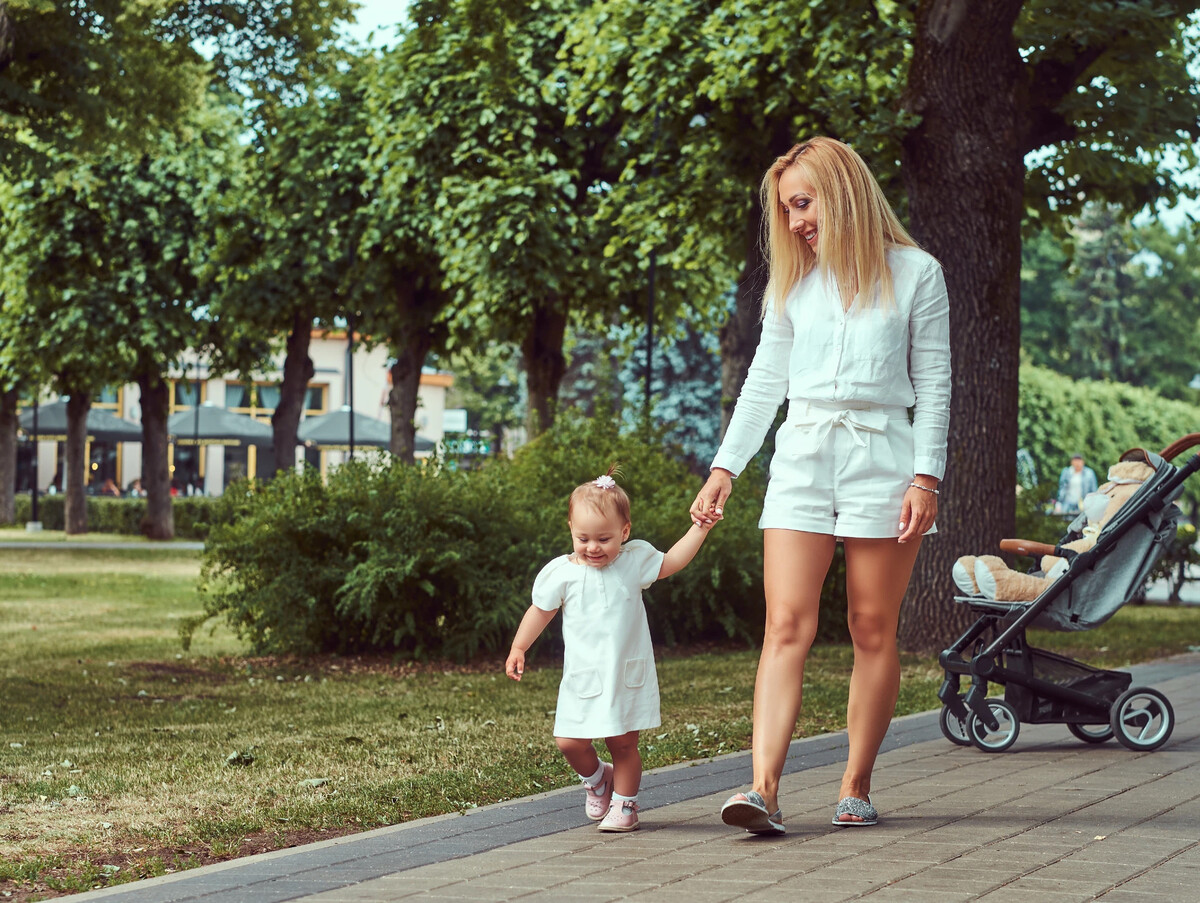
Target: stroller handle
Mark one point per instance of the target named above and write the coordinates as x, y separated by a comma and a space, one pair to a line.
1181, 444
1026, 547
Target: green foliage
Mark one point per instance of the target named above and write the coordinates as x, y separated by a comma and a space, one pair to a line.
193, 516
87, 75
1115, 301
1181, 556
422, 561
1059, 416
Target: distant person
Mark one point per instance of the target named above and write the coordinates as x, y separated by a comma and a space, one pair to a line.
135, 489
609, 687
110, 488
1074, 483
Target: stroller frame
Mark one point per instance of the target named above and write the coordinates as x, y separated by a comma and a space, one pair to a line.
1042, 687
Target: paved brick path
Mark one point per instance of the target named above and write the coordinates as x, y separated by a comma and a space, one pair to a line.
1050, 820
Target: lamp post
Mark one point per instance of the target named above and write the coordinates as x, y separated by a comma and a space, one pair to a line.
34, 525
196, 433
350, 377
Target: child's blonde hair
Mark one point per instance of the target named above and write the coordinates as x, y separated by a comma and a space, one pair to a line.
603, 495
857, 226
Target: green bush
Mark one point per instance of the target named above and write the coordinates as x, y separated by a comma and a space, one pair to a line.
193, 516
420, 560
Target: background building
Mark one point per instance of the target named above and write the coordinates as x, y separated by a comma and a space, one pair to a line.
209, 467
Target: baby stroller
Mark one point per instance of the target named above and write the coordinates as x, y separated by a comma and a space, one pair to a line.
1041, 687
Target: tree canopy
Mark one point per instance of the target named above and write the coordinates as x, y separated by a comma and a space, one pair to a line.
120, 71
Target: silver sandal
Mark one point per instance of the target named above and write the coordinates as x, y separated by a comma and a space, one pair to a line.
852, 805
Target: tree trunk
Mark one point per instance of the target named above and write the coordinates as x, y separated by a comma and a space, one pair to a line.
542, 349
8, 456
159, 519
297, 371
418, 304
739, 335
6, 37
964, 173
75, 514
404, 394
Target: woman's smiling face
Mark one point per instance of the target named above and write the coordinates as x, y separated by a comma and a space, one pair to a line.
799, 200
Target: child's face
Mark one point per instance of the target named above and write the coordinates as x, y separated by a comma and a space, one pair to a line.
597, 537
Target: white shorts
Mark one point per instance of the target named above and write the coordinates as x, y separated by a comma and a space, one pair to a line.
840, 469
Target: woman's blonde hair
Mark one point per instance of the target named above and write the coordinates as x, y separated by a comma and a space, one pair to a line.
856, 227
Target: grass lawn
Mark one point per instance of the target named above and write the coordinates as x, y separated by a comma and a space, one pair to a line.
20, 534
122, 756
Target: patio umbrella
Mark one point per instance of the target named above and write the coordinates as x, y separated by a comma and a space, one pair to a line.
102, 426
211, 425
332, 431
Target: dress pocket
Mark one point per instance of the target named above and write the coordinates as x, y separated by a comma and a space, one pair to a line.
585, 684
635, 672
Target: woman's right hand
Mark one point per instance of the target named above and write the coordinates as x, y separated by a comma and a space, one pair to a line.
709, 506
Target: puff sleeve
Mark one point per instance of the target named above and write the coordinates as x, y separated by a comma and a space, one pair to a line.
642, 560
550, 585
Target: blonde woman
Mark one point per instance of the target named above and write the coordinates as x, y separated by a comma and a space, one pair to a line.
855, 333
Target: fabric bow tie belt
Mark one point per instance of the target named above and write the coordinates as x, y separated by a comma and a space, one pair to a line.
856, 422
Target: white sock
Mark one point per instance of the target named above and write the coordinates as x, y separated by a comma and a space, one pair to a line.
595, 780
619, 800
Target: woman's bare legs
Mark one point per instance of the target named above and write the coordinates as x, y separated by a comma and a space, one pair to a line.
877, 574
794, 568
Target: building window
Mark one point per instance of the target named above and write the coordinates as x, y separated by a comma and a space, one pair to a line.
259, 400
183, 394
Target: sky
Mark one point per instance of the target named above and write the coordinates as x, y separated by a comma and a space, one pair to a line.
380, 16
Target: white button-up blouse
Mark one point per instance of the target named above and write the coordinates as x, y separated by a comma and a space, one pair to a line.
887, 356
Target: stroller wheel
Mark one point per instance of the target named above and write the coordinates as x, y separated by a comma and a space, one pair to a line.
953, 728
1142, 719
1091, 733
1004, 736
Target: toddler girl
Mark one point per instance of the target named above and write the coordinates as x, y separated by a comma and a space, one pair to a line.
609, 687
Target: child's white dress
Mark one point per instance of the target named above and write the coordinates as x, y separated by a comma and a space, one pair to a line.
609, 685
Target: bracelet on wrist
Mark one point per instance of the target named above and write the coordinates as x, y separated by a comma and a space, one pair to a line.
916, 485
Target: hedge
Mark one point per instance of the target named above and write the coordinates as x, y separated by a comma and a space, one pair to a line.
193, 515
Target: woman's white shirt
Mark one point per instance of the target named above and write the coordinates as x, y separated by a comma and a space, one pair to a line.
890, 356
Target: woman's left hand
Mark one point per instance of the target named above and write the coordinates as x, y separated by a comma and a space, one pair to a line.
919, 510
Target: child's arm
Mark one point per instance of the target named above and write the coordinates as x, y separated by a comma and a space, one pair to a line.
531, 628
685, 550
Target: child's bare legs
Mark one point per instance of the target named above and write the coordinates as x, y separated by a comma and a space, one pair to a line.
877, 574
626, 760
627, 763
795, 564
580, 754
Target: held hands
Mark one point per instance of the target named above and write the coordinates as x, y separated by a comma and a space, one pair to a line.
708, 508
919, 510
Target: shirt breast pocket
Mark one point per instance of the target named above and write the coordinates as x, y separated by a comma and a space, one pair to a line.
878, 347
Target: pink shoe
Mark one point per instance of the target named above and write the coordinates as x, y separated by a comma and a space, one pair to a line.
621, 818
597, 803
